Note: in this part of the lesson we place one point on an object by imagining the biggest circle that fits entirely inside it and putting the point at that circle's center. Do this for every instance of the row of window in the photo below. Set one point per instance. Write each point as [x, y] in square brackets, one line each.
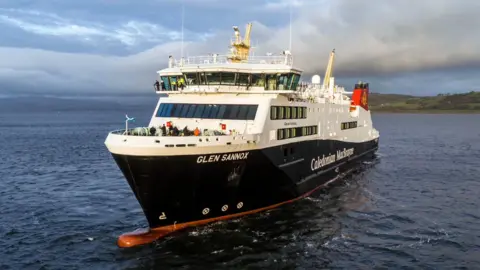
[286, 112]
[348, 125]
[208, 111]
[287, 81]
[288, 133]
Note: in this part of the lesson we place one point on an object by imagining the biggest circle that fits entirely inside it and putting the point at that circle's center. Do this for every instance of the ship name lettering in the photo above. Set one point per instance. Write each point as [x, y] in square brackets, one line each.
[224, 157]
[323, 161]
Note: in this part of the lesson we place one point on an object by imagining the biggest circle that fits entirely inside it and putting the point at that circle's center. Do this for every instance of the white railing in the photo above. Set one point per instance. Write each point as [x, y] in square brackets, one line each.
[119, 136]
[215, 59]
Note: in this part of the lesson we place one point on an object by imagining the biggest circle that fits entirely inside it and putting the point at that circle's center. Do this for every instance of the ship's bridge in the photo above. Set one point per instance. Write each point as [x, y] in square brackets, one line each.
[209, 73]
[238, 71]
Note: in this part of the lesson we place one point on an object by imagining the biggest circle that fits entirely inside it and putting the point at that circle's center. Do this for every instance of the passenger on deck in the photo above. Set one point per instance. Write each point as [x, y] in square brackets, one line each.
[186, 132]
[156, 85]
[152, 131]
[164, 130]
[196, 132]
[175, 131]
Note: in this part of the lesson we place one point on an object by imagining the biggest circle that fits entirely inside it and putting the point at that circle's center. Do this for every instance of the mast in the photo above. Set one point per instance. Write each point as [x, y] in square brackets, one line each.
[290, 25]
[183, 17]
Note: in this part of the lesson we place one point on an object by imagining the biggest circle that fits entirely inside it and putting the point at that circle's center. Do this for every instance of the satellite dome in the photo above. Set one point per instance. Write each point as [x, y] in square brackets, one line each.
[315, 79]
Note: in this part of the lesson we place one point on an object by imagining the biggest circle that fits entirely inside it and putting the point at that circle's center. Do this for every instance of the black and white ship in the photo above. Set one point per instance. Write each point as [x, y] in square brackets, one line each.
[238, 134]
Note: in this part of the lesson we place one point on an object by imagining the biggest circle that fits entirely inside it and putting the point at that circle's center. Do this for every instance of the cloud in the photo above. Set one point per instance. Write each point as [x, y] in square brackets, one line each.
[386, 36]
[129, 33]
[283, 4]
[404, 46]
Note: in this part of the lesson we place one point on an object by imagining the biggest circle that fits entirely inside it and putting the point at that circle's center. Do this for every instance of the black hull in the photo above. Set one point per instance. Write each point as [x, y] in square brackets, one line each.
[179, 189]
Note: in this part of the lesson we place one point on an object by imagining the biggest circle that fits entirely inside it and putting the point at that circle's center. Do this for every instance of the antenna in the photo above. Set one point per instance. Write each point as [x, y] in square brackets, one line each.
[183, 15]
[290, 41]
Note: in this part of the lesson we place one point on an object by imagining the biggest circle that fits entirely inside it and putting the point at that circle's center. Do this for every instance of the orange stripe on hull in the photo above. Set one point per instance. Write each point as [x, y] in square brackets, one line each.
[150, 235]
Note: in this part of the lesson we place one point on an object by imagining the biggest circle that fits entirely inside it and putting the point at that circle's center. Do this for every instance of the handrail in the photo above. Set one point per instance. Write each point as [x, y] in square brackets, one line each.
[215, 59]
[145, 132]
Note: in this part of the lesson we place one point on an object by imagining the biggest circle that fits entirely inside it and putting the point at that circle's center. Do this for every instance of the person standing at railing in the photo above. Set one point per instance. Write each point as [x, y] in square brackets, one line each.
[156, 85]
[152, 131]
[163, 129]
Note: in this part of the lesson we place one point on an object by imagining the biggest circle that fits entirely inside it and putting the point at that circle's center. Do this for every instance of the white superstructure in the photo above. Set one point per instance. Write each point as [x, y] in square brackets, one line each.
[242, 102]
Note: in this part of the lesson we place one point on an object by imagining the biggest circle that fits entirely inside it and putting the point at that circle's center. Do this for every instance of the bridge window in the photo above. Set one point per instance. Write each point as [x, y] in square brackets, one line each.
[288, 133]
[213, 77]
[201, 78]
[166, 82]
[271, 82]
[217, 78]
[293, 83]
[287, 112]
[282, 81]
[287, 81]
[228, 78]
[208, 111]
[192, 78]
[243, 79]
[258, 80]
[171, 82]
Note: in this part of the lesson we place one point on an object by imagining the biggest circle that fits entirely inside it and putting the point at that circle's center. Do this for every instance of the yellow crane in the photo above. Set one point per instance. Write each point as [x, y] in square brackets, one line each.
[329, 71]
[241, 48]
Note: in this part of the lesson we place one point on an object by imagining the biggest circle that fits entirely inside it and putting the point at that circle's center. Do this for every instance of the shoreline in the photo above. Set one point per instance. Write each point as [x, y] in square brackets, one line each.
[425, 111]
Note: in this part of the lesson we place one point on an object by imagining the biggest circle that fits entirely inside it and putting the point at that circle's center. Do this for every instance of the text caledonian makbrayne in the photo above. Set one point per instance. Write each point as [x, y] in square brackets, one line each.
[320, 162]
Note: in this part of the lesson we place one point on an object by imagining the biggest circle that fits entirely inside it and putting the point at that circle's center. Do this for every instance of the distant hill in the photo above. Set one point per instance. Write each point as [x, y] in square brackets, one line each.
[464, 102]
[442, 103]
[46, 104]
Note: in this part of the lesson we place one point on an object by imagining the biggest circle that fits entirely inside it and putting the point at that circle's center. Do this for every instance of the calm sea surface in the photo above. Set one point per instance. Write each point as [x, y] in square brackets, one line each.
[64, 202]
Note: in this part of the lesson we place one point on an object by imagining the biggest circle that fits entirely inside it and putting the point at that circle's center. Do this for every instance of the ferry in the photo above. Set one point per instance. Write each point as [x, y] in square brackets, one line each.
[237, 134]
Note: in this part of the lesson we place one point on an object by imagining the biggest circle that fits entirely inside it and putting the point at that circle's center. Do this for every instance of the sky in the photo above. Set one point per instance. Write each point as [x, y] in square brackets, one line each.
[116, 46]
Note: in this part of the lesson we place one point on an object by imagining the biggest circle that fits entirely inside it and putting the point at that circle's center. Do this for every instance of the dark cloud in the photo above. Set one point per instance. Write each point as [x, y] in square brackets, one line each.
[408, 46]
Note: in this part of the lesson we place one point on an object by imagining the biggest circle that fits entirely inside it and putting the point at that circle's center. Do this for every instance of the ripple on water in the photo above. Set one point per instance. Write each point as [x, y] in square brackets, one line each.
[64, 203]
